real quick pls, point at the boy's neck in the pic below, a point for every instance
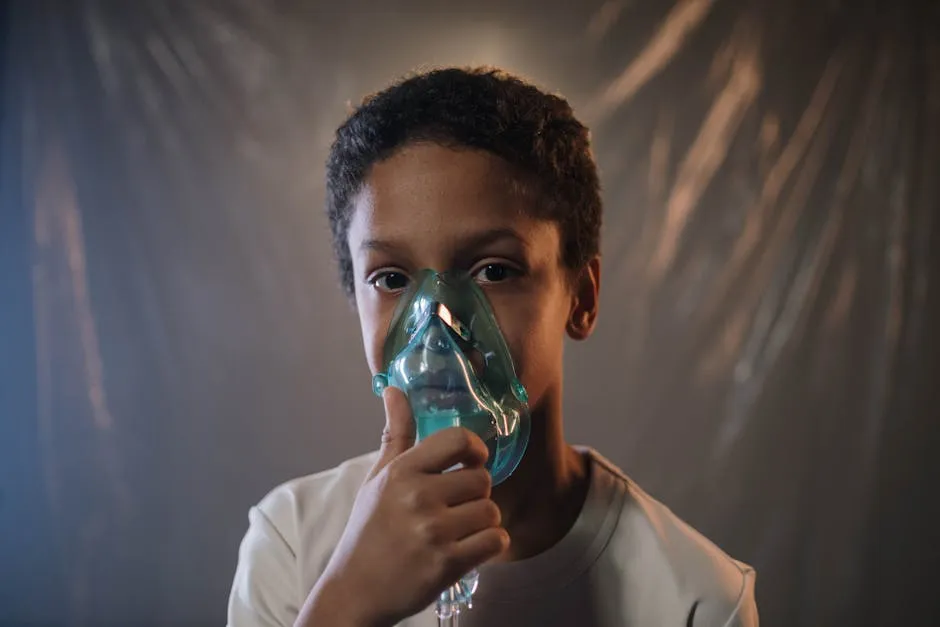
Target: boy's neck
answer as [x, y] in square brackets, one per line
[544, 496]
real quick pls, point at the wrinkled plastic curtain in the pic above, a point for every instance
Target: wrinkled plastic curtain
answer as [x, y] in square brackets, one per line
[175, 343]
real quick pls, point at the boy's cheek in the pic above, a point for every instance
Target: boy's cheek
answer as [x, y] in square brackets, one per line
[376, 348]
[373, 337]
[526, 341]
[535, 340]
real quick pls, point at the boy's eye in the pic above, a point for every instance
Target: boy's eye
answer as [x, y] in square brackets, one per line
[493, 273]
[390, 281]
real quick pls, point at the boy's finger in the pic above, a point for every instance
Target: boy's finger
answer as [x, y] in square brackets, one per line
[460, 486]
[399, 434]
[477, 549]
[470, 518]
[445, 449]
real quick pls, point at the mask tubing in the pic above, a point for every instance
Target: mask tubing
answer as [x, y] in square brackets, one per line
[451, 621]
[456, 599]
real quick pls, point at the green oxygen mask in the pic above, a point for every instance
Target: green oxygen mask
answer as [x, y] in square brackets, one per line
[445, 351]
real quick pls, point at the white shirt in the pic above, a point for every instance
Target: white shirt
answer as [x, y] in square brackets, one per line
[627, 561]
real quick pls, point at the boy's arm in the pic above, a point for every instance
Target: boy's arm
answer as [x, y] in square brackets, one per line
[738, 610]
[412, 530]
[264, 590]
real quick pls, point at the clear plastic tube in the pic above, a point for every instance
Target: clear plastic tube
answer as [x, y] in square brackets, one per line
[457, 598]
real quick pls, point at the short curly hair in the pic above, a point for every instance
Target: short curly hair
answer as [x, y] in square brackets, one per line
[478, 108]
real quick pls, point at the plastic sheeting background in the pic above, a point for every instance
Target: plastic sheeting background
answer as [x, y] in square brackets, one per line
[174, 342]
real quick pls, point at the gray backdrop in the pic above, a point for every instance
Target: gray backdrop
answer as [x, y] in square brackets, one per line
[173, 342]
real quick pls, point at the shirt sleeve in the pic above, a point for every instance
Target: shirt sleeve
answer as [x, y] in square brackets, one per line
[738, 610]
[264, 590]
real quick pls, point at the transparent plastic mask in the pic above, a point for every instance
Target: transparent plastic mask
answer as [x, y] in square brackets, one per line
[445, 351]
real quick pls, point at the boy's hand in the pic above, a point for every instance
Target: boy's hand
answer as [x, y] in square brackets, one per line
[413, 531]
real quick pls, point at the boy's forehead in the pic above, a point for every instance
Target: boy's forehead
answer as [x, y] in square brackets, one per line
[432, 188]
[430, 173]
[437, 222]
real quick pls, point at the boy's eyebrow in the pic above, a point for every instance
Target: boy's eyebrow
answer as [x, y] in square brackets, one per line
[471, 244]
[466, 247]
[380, 245]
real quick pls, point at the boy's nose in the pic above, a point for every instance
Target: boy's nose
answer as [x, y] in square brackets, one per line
[436, 337]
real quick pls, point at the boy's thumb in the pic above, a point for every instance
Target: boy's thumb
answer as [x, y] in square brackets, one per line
[399, 434]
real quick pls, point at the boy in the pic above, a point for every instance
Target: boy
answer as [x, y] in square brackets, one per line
[475, 171]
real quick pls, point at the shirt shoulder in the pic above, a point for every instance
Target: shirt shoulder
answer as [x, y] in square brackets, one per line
[673, 566]
[303, 509]
[291, 536]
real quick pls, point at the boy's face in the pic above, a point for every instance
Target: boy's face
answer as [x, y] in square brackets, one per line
[428, 206]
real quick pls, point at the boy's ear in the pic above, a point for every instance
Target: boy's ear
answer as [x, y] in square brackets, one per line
[585, 301]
